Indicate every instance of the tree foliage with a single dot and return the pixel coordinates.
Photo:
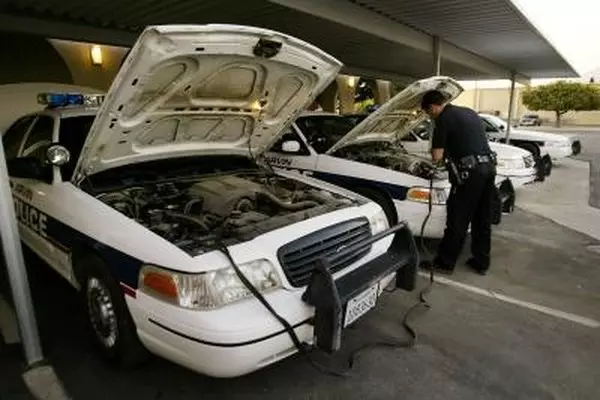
(562, 97)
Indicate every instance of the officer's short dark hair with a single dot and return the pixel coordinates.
(432, 97)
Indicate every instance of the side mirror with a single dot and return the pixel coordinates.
(26, 167)
(290, 146)
(58, 155)
(501, 127)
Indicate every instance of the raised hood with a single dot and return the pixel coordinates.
(194, 89)
(398, 116)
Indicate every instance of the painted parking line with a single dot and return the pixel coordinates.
(591, 323)
(8, 323)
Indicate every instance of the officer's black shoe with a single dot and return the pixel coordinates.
(477, 266)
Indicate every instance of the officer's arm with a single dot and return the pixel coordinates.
(438, 141)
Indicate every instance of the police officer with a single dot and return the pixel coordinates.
(460, 140)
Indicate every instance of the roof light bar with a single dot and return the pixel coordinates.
(53, 100)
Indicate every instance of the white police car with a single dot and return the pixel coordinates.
(369, 158)
(514, 163)
(542, 144)
(154, 206)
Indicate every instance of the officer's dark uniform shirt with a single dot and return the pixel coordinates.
(460, 132)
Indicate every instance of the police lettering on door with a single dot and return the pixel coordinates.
(31, 217)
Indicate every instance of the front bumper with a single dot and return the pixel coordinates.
(559, 152)
(197, 339)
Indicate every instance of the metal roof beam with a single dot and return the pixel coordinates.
(353, 16)
(378, 74)
(66, 30)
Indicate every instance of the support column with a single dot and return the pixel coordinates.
(511, 106)
(437, 55)
(15, 266)
(346, 88)
(327, 99)
(382, 91)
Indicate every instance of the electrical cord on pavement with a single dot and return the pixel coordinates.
(421, 303)
(303, 348)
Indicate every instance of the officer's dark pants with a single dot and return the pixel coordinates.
(470, 202)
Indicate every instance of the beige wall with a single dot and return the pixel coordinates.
(22, 98)
(77, 57)
(490, 100)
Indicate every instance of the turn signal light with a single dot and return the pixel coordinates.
(162, 284)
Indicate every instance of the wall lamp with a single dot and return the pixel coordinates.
(96, 54)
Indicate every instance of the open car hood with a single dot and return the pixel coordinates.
(398, 116)
(193, 89)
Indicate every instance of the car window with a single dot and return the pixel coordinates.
(489, 127)
(322, 132)
(39, 137)
(291, 135)
(423, 131)
(72, 132)
(14, 135)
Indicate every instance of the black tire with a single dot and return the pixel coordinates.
(108, 321)
(547, 162)
(533, 148)
(384, 202)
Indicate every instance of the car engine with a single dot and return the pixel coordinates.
(388, 155)
(201, 214)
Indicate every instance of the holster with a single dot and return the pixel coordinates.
(457, 176)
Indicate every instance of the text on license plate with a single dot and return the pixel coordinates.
(360, 304)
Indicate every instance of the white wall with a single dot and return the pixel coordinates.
(21, 98)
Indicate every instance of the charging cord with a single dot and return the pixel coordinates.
(303, 348)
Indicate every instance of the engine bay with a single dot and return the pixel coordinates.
(389, 155)
(200, 214)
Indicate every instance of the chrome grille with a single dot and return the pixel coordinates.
(299, 257)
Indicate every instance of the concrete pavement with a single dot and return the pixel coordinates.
(563, 198)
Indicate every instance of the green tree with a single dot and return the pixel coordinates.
(562, 97)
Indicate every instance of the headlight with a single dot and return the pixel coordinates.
(511, 164)
(379, 222)
(210, 289)
(421, 195)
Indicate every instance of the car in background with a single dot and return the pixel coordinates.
(514, 163)
(538, 143)
(153, 202)
(530, 120)
(369, 158)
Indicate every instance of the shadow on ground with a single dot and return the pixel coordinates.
(469, 347)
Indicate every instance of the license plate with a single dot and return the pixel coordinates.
(360, 304)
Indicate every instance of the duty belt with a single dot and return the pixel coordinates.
(470, 162)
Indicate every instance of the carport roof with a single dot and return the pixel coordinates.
(480, 39)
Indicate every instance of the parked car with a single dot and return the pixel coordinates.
(152, 201)
(368, 158)
(514, 163)
(530, 120)
(539, 143)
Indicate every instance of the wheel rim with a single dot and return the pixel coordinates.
(101, 313)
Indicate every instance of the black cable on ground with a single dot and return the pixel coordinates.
(303, 348)
(421, 303)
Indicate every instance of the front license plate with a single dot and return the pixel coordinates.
(360, 304)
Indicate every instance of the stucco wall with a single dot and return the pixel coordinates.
(21, 98)
(77, 57)
(490, 100)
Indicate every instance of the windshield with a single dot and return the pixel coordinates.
(323, 131)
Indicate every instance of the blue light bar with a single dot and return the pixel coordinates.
(53, 100)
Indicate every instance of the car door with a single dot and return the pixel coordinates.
(292, 152)
(33, 197)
